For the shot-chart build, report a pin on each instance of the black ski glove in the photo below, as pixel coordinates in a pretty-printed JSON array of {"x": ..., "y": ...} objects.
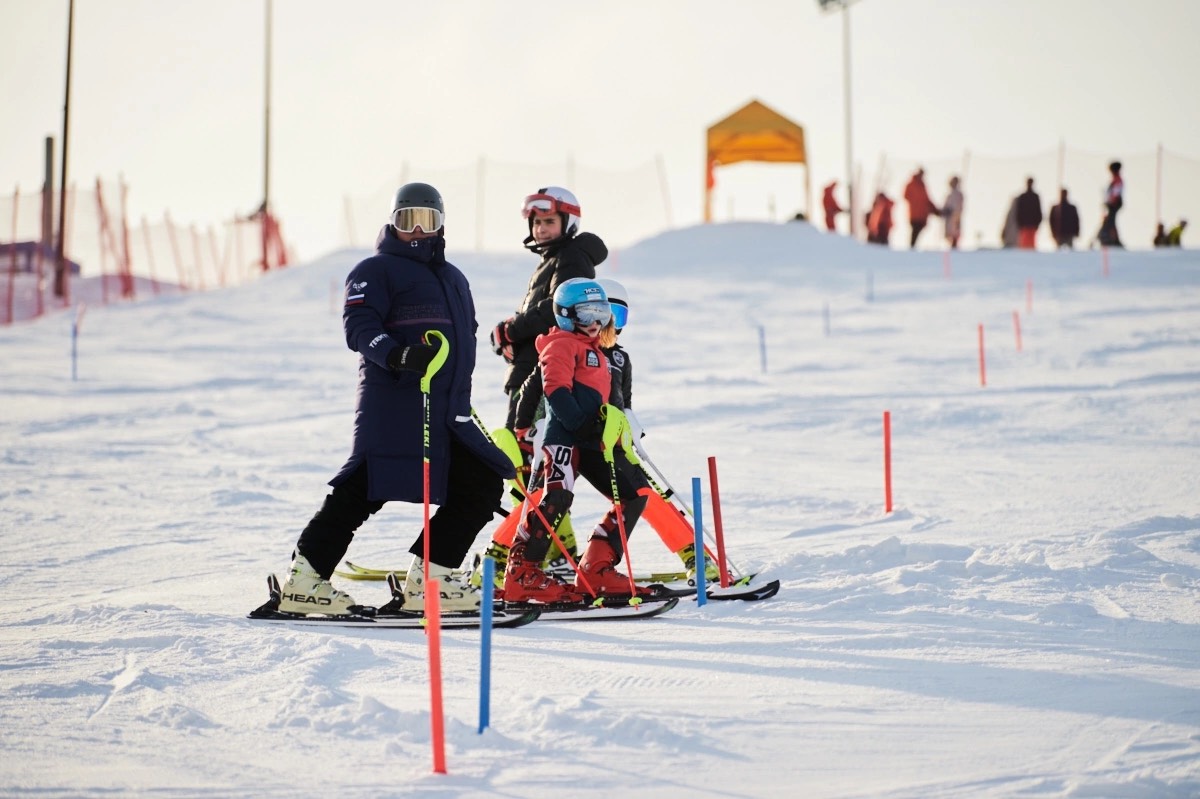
[
  {"x": 502, "y": 343},
  {"x": 413, "y": 358},
  {"x": 592, "y": 429}
]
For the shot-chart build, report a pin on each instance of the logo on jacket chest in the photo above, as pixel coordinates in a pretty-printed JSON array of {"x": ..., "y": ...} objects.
[{"x": 592, "y": 359}]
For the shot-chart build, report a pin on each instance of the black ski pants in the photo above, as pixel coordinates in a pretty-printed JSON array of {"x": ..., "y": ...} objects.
[{"x": 473, "y": 496}]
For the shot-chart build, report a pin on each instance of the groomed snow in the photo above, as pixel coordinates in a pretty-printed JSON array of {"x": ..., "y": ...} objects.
[{"x": 1025, "y": 623}]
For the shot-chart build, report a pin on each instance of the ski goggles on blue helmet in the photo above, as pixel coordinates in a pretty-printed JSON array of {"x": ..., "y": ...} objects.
[
  {"x": 588, "y": 313},
  {"x": 407, "y": 220}
]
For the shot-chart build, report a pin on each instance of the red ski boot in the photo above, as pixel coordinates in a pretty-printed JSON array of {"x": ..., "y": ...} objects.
[
  {"x": 598, "y": 565},
  {"x": 524, "y": 581}
]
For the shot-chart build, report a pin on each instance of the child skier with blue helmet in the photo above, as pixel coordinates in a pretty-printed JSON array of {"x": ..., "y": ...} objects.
[{"x": 577, "y": 384}]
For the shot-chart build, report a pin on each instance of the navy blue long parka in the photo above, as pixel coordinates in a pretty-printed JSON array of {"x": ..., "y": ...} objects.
[{"x": 392, "y": 299}]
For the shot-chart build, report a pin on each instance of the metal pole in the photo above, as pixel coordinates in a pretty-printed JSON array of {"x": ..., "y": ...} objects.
[
  {"x": 60, "y": 261},
  {"x": 849, "y": 129},
  {"x": 266, "y": 204},
  {"x": 1158, "y": 184}
]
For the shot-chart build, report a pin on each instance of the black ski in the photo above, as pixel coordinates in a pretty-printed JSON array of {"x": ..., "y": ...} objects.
[
  {"x": 585, "y": 611},
  {"x": 746, "y": 593},
  {"x": 390, "y": 617}
]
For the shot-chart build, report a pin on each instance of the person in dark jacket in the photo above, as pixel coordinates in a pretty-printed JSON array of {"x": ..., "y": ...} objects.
[
  {"x": 1114, "y": 199},
  {"x": 1029, "y": 216},
  {"x": 393, "y": 298},
  {"x": 553, "y": 216},
  {"x": 1161, "y": 239},
  {"x": 1064, "y": 222}
]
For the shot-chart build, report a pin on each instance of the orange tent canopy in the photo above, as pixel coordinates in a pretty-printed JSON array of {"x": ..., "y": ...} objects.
[{"x": 752, "y": 133}]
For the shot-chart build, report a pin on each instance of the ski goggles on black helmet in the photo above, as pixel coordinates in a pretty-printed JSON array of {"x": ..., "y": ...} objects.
[
  {"x": 588, "y": 313},
  {"x": 546, "y": 203},
  {"x": 406, "y": 220}
]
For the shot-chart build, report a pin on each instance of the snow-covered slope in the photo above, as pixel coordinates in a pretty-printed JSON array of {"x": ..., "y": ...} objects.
[{"x": 1024, "y": 623}]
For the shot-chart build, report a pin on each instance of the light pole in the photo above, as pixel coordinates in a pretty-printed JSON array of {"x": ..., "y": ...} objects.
[
  {"x": 60, "y": 259},
  {"x": 844, "y": 5},
  {"x": 266, "y": 203}
]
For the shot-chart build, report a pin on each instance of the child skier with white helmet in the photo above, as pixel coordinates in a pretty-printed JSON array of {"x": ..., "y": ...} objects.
[
  {"x": 577, "y": 384},
  {"x": 670, "y": 524}
]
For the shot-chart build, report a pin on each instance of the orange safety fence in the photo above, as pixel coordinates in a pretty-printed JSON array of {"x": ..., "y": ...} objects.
[{"x": 109, "y": 258}]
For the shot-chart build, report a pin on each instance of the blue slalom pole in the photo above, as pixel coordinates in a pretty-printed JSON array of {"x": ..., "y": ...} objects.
[
  {"x": 485, "y": 643},
  {"x": 701, "y": 565},
  {"x": 762, "y": 348},
  {"x": 75, "y": 324}
]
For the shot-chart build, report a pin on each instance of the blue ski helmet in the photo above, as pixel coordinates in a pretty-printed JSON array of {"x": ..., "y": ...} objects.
[
  {"x": 581, "y": 301},
  {"x": 618, "y": 298}
]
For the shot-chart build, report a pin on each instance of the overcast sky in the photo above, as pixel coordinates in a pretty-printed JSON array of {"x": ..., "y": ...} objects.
[{"x": 170, "y": 94}]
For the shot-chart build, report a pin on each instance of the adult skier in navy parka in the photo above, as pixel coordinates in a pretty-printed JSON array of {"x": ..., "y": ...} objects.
[{"x": 392, "y": 299}]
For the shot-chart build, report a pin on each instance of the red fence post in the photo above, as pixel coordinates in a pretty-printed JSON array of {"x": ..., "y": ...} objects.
[
  {"x": 12, "y": 268},
  {"x": 887, "y": 461},
  {"x": 982, "y": 367}
]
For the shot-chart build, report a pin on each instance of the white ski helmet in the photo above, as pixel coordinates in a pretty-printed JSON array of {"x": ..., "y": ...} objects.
[
  {"x": 618, "y": 298},
  {"x": 558, "y": 199}
]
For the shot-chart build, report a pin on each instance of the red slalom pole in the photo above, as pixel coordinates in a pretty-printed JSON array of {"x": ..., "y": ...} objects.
[
  {"x": 433, "y": 599},
  {"x": 1017, "y": 328},
  {"x": 720, "y": 531},
  {"x": 982, "y": 366},
  {"x": 887, "y": 461}
]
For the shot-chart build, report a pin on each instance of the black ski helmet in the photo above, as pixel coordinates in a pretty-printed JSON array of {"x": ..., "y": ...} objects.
[{"x": 418, "y": 195}]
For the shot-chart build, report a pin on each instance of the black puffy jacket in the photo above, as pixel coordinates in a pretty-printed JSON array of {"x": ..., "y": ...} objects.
[{"x": 574, "y": 257}]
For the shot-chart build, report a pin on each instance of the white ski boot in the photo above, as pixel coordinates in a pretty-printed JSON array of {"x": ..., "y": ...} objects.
[
  {"x": 309, "y": 593},
  {"x": 457, "y": 595}
]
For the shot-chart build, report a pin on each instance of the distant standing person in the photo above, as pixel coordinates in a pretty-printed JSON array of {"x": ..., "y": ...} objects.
[
  {"x": 919, "y": 205},
  {"x": 1008, "y": 233},
  {"x": 1175, "y": 236},
  {"x": 832, "y": 209},
  {"x": 1114, "y": 198},
  {"x": 1160, "y": 235},
  {"x": 1064, "y": 222},
  {"x": 879, "y": 220},
  {"x": 952, "y": 213},
  {"x": 1029, "y": 216}
]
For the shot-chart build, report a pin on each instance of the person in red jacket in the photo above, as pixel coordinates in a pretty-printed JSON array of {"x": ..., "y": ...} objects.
[
  {"x": 577, "y": 385},
  {"x": 879, "y": 220},
  {"x": 832, "y": 209},
  {"x": 920, "y": 207},
  {"x": 1029, "y": 216}
]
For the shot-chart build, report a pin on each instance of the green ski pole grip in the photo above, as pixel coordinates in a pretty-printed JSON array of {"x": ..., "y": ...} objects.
[{"x": 439, "y": 358}]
